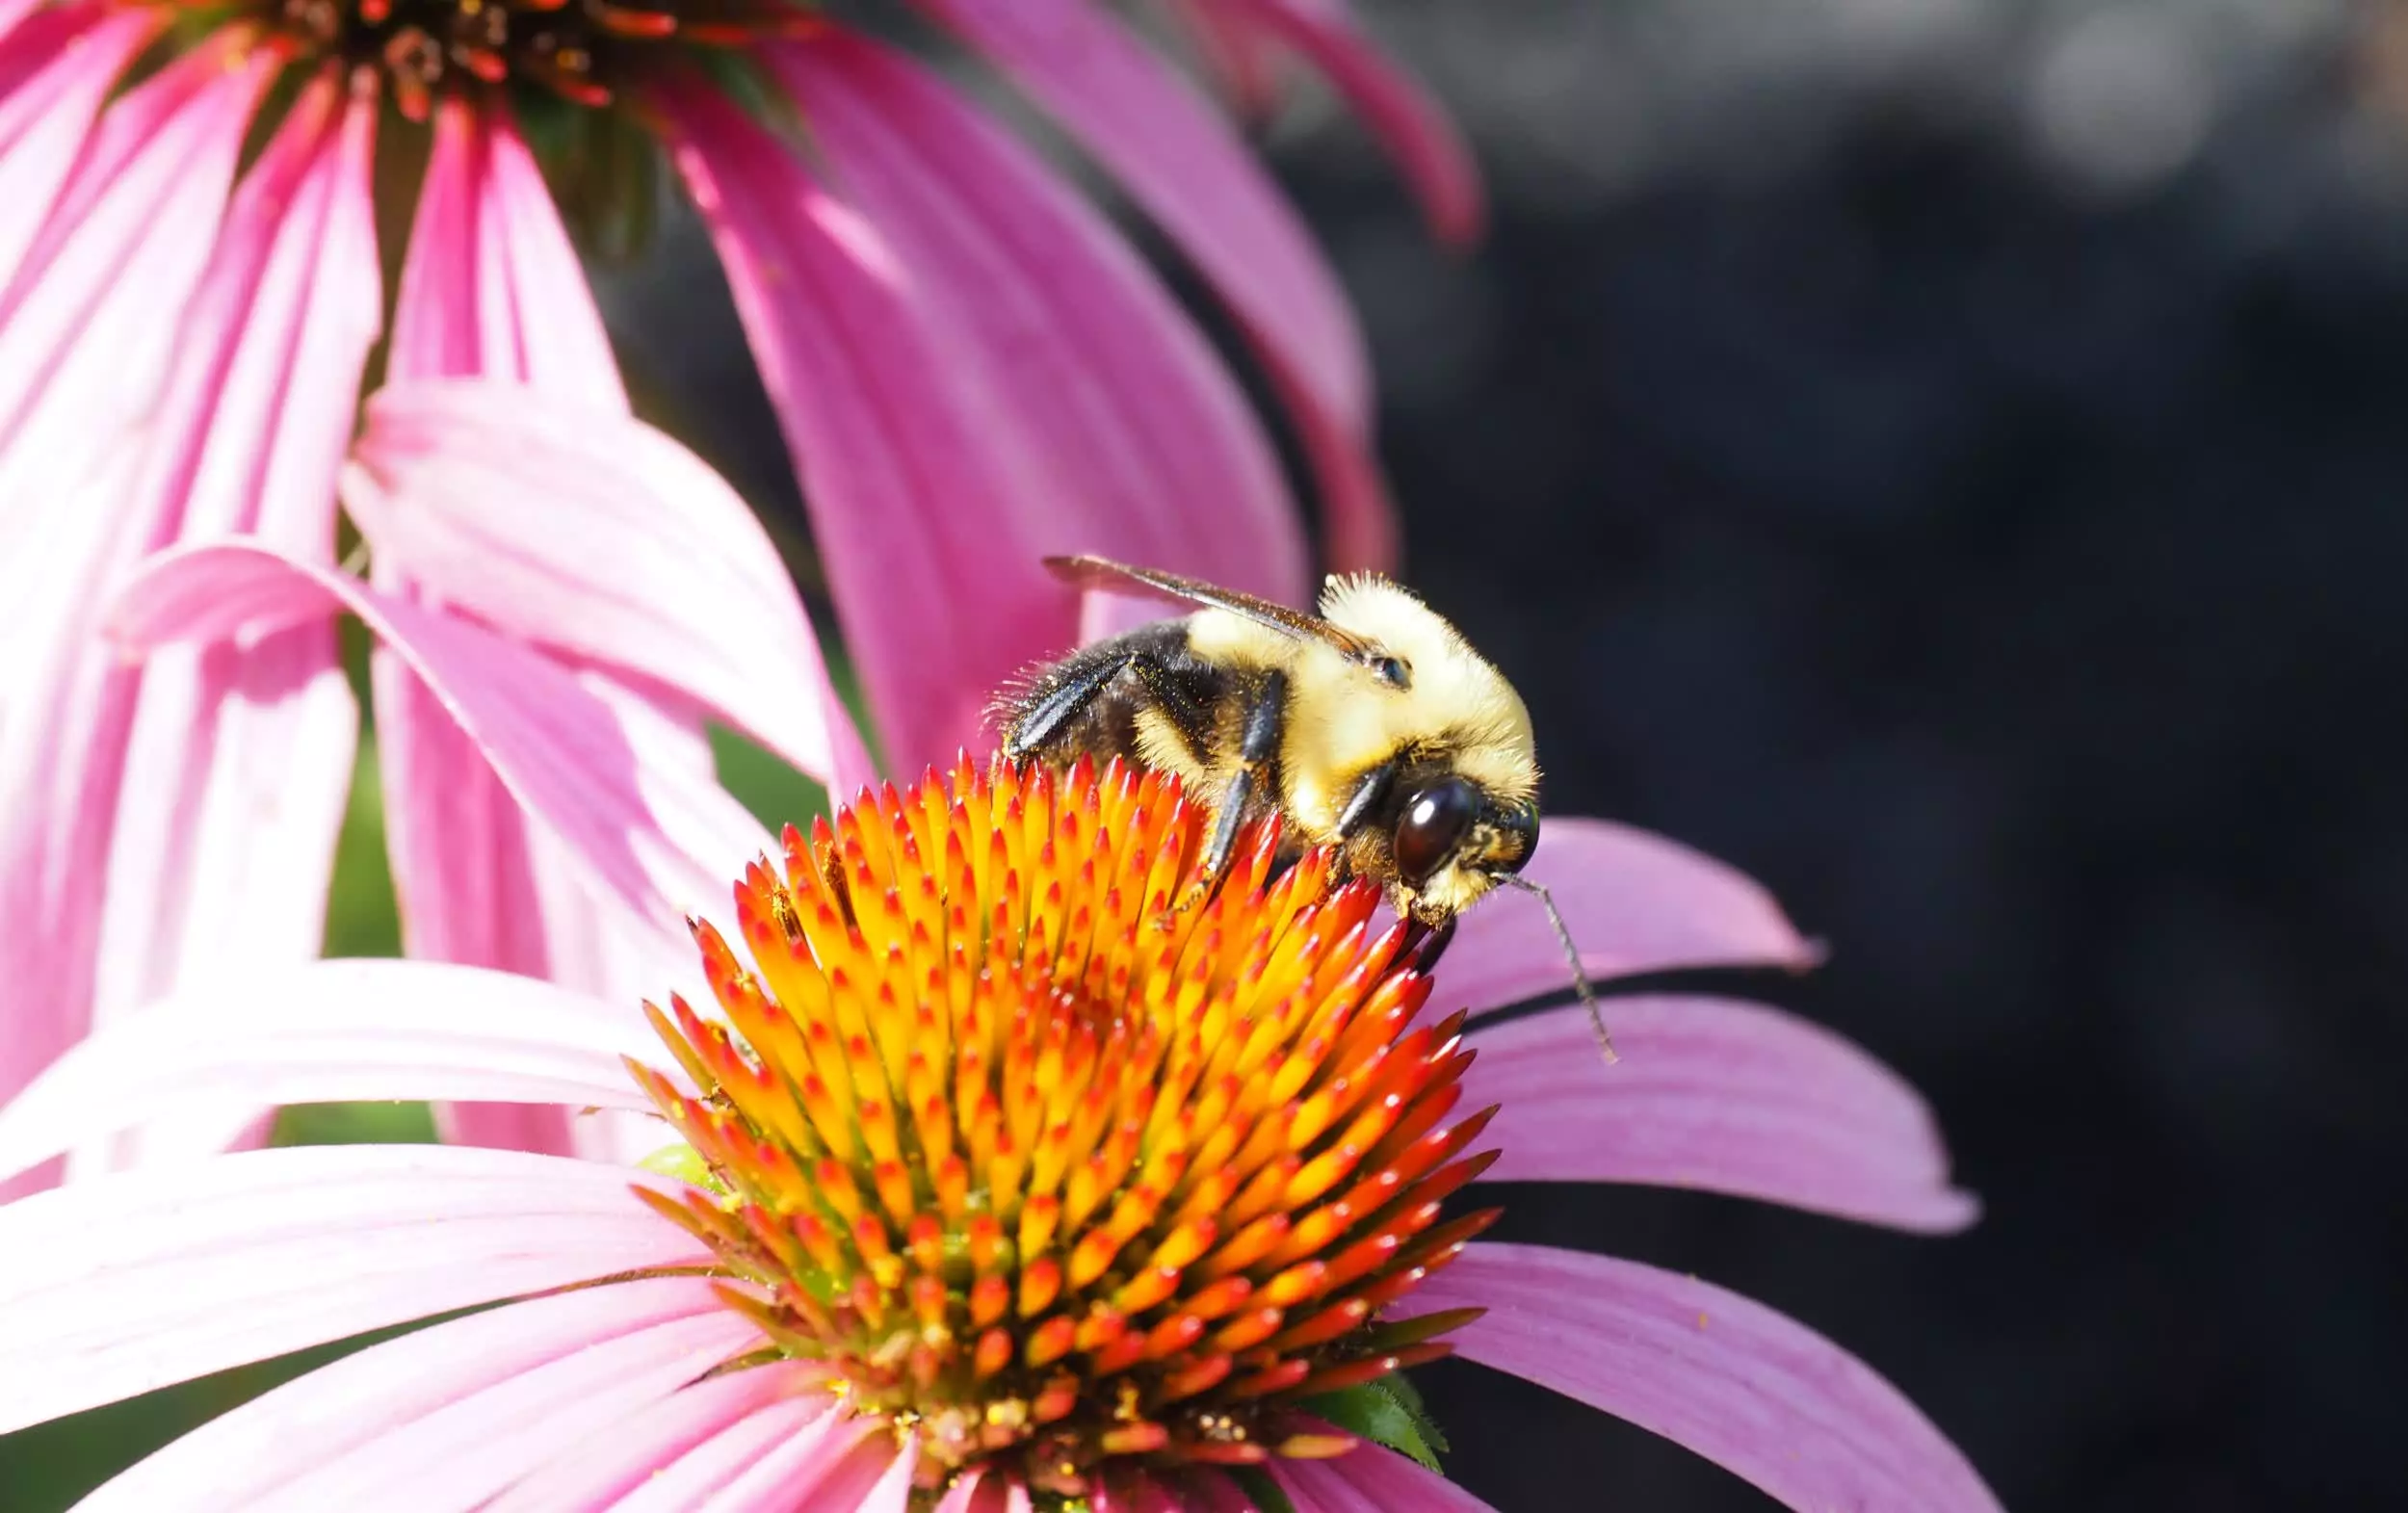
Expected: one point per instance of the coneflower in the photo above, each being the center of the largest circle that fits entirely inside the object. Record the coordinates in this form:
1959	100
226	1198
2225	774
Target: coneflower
999	1182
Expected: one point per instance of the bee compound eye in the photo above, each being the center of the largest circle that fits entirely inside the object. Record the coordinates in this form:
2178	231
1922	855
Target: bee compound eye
1434	828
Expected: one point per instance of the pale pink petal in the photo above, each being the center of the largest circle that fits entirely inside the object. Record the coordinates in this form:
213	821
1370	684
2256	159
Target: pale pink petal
1153	453
598	1471
1415	130
1370	1479
1189	169
975	1491
239	760
54	69
864	1472
1717	1095
797	1434
453	1411
1635	901
85	338
658	842
589	531
334	1031
134	1280
1760	1395
492	287
924	501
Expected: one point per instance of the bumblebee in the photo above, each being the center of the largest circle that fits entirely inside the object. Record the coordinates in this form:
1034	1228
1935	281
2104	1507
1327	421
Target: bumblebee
1373	727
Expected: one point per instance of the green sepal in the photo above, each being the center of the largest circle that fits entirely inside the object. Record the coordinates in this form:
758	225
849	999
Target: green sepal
1386	1412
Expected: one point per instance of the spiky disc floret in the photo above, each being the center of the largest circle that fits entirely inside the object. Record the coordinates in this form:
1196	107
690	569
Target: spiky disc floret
1049	1173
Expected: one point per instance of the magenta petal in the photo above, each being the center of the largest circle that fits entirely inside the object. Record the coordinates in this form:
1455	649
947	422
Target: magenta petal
658	840
924	499
446	1415
598	1471
1635	901
1370	1479
1759	1395
1139	423
1717	1095
1190	172
1416	131
331	1032
620	546
132	1281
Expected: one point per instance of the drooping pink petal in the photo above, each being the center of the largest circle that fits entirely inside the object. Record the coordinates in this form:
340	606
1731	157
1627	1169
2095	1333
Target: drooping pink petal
1238	59
1717	1095
1181	162
493	288
924	499
135	1280
1635	902
1411	125
658	842
1137	419
334	1031
598	1471
239	760
86	331
447	1413
1370	1479
615	544
1759	1395
54	69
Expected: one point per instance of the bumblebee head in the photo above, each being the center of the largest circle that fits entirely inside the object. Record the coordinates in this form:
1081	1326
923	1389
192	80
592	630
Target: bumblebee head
1452	842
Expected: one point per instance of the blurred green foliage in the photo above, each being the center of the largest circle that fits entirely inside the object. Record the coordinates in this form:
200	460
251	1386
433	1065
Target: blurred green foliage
48	1467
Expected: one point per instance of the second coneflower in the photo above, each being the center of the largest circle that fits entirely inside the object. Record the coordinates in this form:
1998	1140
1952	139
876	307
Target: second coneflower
961	351
1002	1183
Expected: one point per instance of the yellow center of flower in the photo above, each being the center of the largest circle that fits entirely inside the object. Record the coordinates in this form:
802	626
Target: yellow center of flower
1047	1171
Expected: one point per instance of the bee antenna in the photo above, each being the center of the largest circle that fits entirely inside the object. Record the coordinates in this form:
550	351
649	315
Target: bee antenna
1571	956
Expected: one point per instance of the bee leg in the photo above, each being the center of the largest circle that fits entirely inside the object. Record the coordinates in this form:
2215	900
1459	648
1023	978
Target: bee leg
1366	798
1082	680
1264	719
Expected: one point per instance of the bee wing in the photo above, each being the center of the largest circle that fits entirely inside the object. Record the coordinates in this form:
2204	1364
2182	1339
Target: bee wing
1097	572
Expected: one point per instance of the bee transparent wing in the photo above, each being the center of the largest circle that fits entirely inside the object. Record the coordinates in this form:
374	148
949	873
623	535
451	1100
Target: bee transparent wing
1097	572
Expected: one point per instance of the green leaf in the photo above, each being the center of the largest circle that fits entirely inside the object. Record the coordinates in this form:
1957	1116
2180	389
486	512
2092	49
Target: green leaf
1385	1412
1260	1490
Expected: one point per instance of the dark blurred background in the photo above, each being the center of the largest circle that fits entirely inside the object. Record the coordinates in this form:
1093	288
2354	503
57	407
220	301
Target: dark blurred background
1947	458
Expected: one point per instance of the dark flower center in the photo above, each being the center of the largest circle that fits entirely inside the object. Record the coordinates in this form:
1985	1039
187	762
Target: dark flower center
588	52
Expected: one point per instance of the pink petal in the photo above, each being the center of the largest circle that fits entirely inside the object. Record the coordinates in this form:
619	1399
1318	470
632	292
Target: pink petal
132	1281
1716	1095
659	842
1190	171
1155	455
923	497
1236	57
617	545
793	1433
333	1031
1635	901
85	339
492	287
239	763
1415	130
450	1412
857	1472
1759	1395
1370	1479
598	1471
54	69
